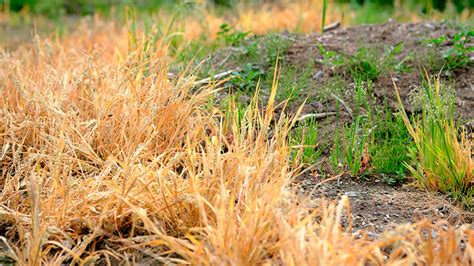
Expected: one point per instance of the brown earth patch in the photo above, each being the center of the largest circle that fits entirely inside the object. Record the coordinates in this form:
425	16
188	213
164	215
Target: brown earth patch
376	206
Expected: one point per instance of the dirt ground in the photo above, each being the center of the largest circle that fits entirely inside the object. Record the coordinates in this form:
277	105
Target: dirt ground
376	206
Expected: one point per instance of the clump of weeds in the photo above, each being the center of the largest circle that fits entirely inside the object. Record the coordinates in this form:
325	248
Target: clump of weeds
459	51
304	142
368	63
443	158
390	149
351	144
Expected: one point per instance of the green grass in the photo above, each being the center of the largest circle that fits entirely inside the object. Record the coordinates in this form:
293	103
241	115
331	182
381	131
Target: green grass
443	157
304	142
371	13
365	65
355	145
375	142
325	8
293	80
375	12
255	58
351	144
57	8
368	63
390	151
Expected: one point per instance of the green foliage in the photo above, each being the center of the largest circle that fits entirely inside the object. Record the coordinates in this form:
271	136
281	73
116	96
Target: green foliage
246	80
230	35
353	145
458	55
276	46
54	8
444	161
304	141
392	63
390	150
371	13
364	65
394	179
258	57
376	140
368	63
292	80
331	58
225	3
381	11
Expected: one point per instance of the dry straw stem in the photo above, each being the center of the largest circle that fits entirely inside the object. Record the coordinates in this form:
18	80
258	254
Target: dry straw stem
104	159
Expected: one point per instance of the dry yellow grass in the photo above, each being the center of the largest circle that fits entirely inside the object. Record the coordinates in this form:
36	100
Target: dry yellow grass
105	159
294	16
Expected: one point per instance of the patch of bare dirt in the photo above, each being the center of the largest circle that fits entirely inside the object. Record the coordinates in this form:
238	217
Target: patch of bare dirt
376	206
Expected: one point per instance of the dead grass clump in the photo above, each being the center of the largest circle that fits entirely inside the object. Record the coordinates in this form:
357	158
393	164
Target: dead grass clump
105	159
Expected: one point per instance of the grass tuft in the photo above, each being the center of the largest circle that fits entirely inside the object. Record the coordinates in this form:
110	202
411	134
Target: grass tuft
444	159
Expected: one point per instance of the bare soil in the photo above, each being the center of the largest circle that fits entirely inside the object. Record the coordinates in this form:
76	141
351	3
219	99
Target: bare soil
376	206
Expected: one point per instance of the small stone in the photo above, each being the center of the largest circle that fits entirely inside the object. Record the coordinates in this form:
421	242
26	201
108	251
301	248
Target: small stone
351	194
371	234
429	26
318	75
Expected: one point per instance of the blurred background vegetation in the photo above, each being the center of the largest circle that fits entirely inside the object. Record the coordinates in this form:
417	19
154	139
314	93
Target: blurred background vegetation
200	20
54	8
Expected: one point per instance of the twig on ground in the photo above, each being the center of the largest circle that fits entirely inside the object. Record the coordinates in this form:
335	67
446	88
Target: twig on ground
316	115
218	76
221	63
344	104
336	177
332	26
